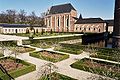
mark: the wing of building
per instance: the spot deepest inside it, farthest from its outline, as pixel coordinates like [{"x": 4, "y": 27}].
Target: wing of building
[
  {"x": 61, "y": 18},
  {"x": 19, "y": 28},
  {"x": 90, "y": 25}
]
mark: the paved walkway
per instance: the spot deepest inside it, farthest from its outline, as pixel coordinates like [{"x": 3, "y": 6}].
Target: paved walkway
[
  {"x": 59, "y": 36},
  {"x": 11, "y": 37},
  {"x": 63, "y": 66}
]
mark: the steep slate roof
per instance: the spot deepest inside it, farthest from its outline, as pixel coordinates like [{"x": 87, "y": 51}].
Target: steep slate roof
[
  {"x": 110, "y": 22},
  {"x": 89, "y": 20},
  {"x": 64, "y": 8},
  {"x": 14, "y": 25}
]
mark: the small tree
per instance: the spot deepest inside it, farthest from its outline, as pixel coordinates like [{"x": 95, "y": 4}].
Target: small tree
[
  {"x": 15, "y": 52},
  {"x": 47, "y": 72}
]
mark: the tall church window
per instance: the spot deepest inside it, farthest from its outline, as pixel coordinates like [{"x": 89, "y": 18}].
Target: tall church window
[
  {"x": 67, "y": 21},
  {"x": 49, "y": 22},
  {"x": 58, "y": 22}
]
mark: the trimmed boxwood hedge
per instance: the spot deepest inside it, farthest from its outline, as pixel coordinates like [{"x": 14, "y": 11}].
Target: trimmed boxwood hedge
[
  {"x": 28, "y": 68},
  {"x": 37, "y": 55},
  {"x": 101, "y": 71}
]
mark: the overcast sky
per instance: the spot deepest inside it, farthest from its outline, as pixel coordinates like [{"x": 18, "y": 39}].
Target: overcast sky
[{"x": 88, "y": 8}]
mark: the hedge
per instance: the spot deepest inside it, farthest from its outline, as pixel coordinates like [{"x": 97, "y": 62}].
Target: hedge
[
  {"x": 101, "y": 71},
  {"x": 28, "y": 68},
  {"x": 37, "y": 55}
]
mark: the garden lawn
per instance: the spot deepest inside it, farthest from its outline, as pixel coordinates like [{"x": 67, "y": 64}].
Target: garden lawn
[
  {"x": 49, "y": 56},
  {"x": 15, "y": 67},
  {"x": 98, "y": 67},
  {"x": 57, "y": 76}
]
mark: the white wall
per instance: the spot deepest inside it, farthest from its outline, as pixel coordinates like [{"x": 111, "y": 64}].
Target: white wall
[{"x": 14, "y": 30}]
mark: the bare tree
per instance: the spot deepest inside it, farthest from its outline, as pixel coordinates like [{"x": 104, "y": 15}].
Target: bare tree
[
  {"x": 11, "y": 14},
  {"x": 46, "y": 71},
  {"x": 22, "y": 16}
]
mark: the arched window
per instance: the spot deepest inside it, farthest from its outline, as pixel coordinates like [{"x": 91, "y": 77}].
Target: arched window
[
  {"x": 94, "y": 29},
  {"x": 80, "y": 28},
  {"x": 99, "y": 30},
  {"x": 84, "y": 29},
  {"x": 89, "y": 29},
  {"x": 76, "y": 28}
]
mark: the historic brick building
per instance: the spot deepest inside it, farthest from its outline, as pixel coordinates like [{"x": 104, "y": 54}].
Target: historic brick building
[
  {"x": 61, "y": 18},
  {"x": 90, "y": 25}
]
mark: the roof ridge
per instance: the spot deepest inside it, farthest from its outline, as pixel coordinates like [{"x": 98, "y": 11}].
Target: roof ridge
[{"x": 61, "y": 4}]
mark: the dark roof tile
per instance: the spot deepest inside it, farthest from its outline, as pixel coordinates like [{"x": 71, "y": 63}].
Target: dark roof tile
[
  {"x": 64, "y": 8},
  {"x": 89, "y": 20}
]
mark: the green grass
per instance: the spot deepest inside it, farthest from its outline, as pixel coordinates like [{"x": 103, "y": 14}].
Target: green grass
[
  {"x": 57, "y": 76},
  {"x": 16, "y": 73},
  {"x": 101, "y": 70},
  {"x": 48, "y": 58}
]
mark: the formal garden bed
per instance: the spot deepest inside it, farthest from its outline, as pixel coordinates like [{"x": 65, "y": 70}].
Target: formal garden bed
[
  {"x": 96, "y": 52},
  {"x": 98, "y": 67},
  {"x": 68, "y": 50},
  {"x": 21, "y": 49},
  {"x": 56, "y": 76},
  {"x": 50, "y": 42},
  {"x": 15, "y": 67},
  {"x": 49, "y": 56}
]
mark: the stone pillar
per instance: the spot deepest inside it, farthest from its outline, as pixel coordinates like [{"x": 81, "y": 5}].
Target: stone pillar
[{"x": 116, "y": 31}]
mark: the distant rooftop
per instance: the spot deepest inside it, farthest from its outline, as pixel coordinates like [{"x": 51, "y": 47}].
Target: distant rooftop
[
  {"x": 110, "y": 22},
  {"x": 89, "y": 20},
  {"x": 14, "y": 25},
  {"x": 64, "y": 8},
  {"x": 18, "y": 25}
]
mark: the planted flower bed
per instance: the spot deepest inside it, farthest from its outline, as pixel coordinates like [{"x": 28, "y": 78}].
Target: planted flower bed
[
  {"x": 15, "y": 67},
  {"x": 98, "y": 67},
  {"x": 21, "y": 49},
  {"x": 69, "y": 50},
  {"x": 49, "y": 56},
  {"x": 103, "y": 53},
  {"x": 108, "y": 54},
  {"x": 56, "y": 76}
]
